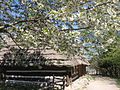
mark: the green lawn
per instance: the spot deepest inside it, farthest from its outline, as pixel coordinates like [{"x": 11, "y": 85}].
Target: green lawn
[{"x": 118, "y": 82}]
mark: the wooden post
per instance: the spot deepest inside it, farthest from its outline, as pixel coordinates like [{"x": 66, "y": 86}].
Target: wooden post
[
  {"x": 71, "y": 81},
  {"x": 67, "y": 80},
  {"x": 78, "y": 71},
  {"x": 53, "y": 81},
  {"x": 3, "y": 75},
  {"x": 63, "y": 82},
  {"x": 70, "y": 76},
  {"x": 84, "y": 69}
]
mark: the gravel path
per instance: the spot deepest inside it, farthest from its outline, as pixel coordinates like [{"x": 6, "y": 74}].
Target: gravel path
[{"x": 102, "y": 83}]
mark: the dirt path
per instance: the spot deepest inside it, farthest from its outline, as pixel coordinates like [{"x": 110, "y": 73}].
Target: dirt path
[{"x": 102, "y": 83}]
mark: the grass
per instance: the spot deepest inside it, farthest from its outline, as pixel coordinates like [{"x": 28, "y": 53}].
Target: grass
[
  {"x": 16, "y": 87},
  {"x": 89, "y": 77},
  {"x": 118, "y": 82}
]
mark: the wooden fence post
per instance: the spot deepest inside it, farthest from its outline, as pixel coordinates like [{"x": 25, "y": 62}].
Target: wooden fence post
[
  {"x": 63, "y": 82},
  {"x": 53, "y": 81}
]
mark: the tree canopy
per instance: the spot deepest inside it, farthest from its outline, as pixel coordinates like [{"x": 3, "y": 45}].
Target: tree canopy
[
  {"x": 65, "y": 25},
  {"x": 108, "y": 63}
]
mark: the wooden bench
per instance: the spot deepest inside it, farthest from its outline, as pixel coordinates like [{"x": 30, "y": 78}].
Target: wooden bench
[{"x": 41, "y": 78}]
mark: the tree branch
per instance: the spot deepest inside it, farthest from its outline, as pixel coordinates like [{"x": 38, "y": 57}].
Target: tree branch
[
  {"x": 74, "y": 29},
  {"x": 102, "y": 4},
  {"x": 14, "y": 23}
]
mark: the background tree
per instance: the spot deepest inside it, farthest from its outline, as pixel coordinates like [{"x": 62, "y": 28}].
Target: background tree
[{"x": 108, "y": 62}]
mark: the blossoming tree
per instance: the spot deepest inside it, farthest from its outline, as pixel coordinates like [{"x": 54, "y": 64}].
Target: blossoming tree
[{"x": 65, "y": 25}]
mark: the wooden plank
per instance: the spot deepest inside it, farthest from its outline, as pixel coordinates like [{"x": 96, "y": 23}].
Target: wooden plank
[
  {"x": 75, "y": 74},
  {"x": 28, "y": 71},
  {"x": 63, "y": 83},
  {"x": 58, "y": 81},
  {"x": 27, "y": 76},
  {"x": 29, "y": 79},
  {"x": 53, "y": 81},
  {"x": 37, "y": 74},
  {"x": 59, "y": 78},
  {"x": 41, "y": 84},
  {"x": 15, "y": 67},
  {"x": 74, "y": 78}
]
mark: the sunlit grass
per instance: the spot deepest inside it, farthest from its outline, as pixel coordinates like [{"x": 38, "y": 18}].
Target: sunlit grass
[{"x": 118, "y": 82}]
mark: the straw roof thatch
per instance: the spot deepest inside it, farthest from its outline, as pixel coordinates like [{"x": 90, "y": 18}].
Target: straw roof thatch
[
  {"x": 62, "y": 60},
  {"x": 53, "y": 57}
]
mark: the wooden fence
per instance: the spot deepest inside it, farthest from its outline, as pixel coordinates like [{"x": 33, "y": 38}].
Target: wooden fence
[{"x": 34, "y": 77}]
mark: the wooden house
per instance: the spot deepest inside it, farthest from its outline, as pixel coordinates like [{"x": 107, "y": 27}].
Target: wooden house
[
  {"x": 74, "y": 67},
  {"x": 57, "y": 64}
]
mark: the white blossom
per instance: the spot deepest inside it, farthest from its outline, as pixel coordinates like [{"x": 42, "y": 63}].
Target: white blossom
[
  {"x": 63, "y": 28},
  {"x": 71, "y": 18},
  {"x": 63, "y": 9},
  {"x": 111, "y": 12},
  {"x": 74, "y": 16},
  {"x": 97, "y": 32},
  {"x": 64, "y": 19},
  {"x": 110, "y": 40},
  {"x": 85, "y": 22},
  {"x": 76, "y": 33},
  {"x": 98, "y": 21},
  {"x": 93, "y": 19},
  {"x": 35, "y": 44},
  {"x": 40, "y": 5},
  {"x": 21, "y": 29},
  {"x": 106, "y": 50},
  {"x": 78, "y": 14},
  {"x": 104, "y": 25},
  {"x": 54, "y": 11},
  {"x": 102, "y": 47},
  {"x": 115, "y": 1}
]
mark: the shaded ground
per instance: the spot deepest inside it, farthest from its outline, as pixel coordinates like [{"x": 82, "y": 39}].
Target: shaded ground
[{"x": 102, "y": 83}]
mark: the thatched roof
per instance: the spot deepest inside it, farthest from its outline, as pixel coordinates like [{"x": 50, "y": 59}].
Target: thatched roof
[
  {"x": 62, "y": 60},
  {"x": 81, "y": 60},
  {"x": 53, "y": 57},
  {"x": 58, "y": 59}
]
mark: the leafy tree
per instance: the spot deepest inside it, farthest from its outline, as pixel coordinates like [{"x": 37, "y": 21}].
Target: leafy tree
[
  {"x": 108, "y": 63},
  {"x": 40, "y": 23}
]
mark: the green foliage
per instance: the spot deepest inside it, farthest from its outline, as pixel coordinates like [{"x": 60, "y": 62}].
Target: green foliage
[
  {"x": 39, "y": 23},
  {"x": 118, "y": 82},
  {"x": 108, "y": 63},
  {"x": 25, "y": 58},
  {"x": 88, "y": 77}
]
